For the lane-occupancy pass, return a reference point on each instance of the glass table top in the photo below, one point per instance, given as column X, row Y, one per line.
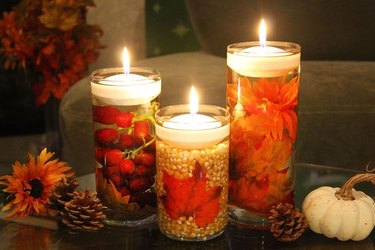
column 308, row 177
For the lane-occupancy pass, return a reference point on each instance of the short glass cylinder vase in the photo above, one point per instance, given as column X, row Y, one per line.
column 192, row 153
column 123, row 107
column 262, row 98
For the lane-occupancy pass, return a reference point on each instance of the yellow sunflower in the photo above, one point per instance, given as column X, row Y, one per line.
column 31, row 184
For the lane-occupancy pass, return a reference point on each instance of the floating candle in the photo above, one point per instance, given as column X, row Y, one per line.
column 192, row 130
column 263, row 59
column 127, row 86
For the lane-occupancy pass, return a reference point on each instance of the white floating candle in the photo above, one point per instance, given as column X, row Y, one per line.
column 259, row 59
column 129, row 87
column 192, row 130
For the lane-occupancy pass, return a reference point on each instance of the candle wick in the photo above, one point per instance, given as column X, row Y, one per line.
column 127, row 72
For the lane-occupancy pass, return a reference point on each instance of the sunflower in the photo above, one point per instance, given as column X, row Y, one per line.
column 31, row 184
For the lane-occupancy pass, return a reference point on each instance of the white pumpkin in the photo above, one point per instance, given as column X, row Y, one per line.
column 345, row 214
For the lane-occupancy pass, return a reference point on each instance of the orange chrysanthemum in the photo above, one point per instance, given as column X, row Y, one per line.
column 272, row 101
column 32, row 183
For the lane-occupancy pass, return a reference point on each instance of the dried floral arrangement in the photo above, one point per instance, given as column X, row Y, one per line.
column 51, row 42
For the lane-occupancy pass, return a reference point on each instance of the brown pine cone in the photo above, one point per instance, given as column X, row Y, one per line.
column 62, row 193
column 287, row 223
column 83, row 212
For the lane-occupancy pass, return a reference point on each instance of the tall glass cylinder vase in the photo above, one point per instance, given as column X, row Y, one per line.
column 192, row 171
column 124, row 133
column 262, row 98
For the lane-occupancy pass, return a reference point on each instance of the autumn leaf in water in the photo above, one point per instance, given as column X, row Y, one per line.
column 250, row 193
column 108, row 192
column 260, row 193
column 190, row 197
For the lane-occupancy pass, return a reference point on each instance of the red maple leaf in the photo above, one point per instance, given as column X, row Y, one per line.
column 190, row 197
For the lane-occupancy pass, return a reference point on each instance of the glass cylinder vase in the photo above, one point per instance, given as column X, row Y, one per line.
column 262, row 98
column 123, row 107
column 192, row 171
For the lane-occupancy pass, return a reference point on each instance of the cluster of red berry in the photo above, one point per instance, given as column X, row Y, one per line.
column 125, row 147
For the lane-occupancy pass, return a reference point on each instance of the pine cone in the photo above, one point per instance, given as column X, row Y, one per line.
column 83, row 212
column 63, row 192
column 287, row 223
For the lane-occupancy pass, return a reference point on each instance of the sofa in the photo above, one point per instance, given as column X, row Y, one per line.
column 336, row 112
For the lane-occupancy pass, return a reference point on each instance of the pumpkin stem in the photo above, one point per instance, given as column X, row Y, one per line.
column 368, row 170
column 346, row 193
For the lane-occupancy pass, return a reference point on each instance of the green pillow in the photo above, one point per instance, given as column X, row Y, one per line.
column 168, row 28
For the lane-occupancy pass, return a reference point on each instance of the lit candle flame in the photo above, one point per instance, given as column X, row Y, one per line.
column 126, row 61
column 262, row 33
column 193, row 101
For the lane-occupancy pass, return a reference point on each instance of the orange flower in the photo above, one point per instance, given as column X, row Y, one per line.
column 273, row 102
column 31, row 184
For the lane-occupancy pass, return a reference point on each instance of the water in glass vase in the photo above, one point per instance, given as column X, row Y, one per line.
column 125, row 161
column 262, row 142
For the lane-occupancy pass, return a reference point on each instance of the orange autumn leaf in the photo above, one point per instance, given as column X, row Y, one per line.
column 259, row 194
column 252, row 153
column 191, row 197
column 282, row 189
column 249, row 193
column 245, row 138
column 108, row 193
column 59, row 16
column 273, row 154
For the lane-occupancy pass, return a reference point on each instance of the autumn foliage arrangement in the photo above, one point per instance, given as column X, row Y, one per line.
column 262, row 143
column 51, row 41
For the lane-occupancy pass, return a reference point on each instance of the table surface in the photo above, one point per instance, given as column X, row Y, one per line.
column 308, row 177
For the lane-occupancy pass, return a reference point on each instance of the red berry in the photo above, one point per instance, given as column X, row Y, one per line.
column 116, row 180
column 112, row 157
column 124, row 119
column 141, row 184
column 105, row 114
column 125, row 141
column 106, row 135
column 141, row 131
column 144, row 158
column 108, row 171
column 142, row 170
column 126, row 166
